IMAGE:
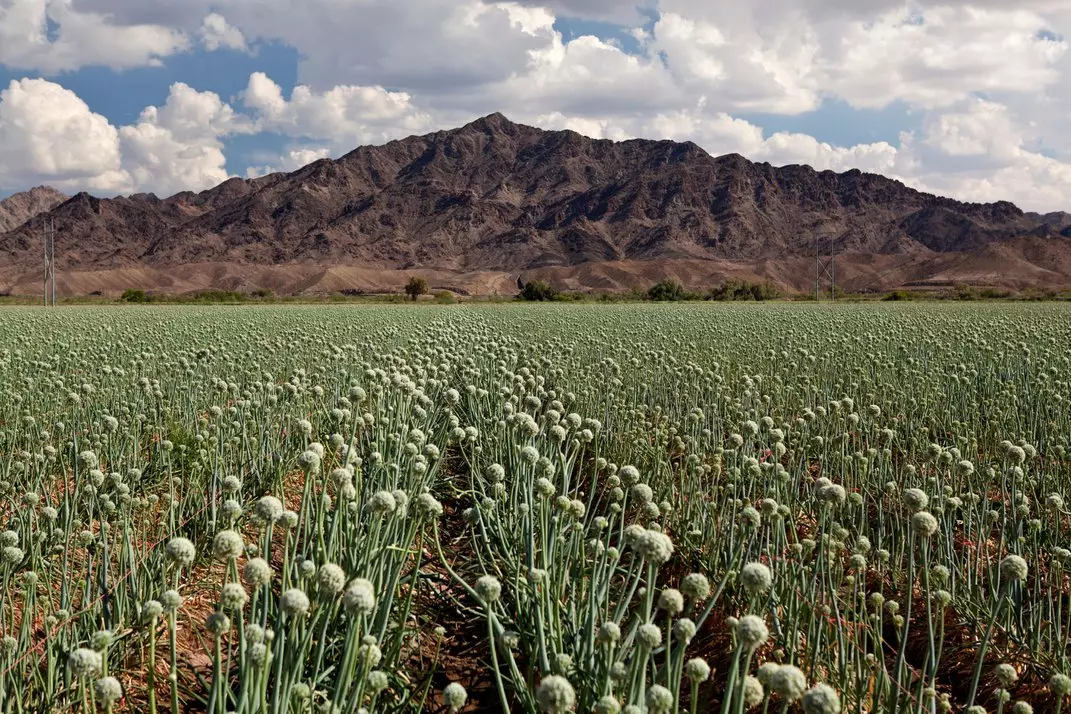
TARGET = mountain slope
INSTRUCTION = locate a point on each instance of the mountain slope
(21, 207)
(498, 196)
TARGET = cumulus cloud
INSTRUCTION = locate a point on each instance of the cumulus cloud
(78, 39)
(987, 82)
(291, 160)
(48, 134)
(216, 33)
(619, 11)
(346, 115)
(178, 147)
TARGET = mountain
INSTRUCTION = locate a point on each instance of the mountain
(21, 207)
(1059, 220)
(498, 198)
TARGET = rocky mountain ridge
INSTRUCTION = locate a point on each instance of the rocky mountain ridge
(499, 196)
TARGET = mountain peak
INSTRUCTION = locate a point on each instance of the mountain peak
(18, 208)
(494, 123)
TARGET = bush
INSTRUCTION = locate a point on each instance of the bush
(667, 290)
(445, 297)
(131, 295)
(964, 292)
(416, 287)
(218, 296)
(263, 293)
(743, 290)
(537, 291)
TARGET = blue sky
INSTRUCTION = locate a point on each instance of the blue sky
(962, 99)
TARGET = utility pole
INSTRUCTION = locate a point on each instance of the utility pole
(50, 264)
(825, 265)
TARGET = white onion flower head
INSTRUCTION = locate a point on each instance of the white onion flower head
(1006, 675)
(642, 493)
(180, 551)
(752, 631)
(659, 699)
(455, 696)
(1060, 684)
(655, 547)
(697, 670)
(227, 544)
(607, 705)
(331, 578)
(756, 578)
(789, 682)
(671, 601)
(257, 572)
(171, 600)
(1013, 568)
(85, 662)
(152, 609)
(915, 498)
(383, 503)
(766, 672)
(649, 635)
(360, 597)
(609, 632)
(924, 523)
(489, 589)
(108, 690)
(232, 597)
(378, 681)
(268, 509)
(696, 587)
(684, 630)
(753, 692)
(295, 602)
(555, 695)
(428, 506)
(218, 623)
(821, 699)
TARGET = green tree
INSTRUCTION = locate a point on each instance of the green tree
(132, 295)
(416, 287)
(537, 291)
(666, 290)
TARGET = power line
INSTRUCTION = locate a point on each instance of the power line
(825, 265)
(49, 295)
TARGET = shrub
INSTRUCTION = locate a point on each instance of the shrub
(416, 287)
(537, 291)
(131, 295)
(743, 290)
(667, 290)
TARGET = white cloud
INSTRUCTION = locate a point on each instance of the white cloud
(620, 11)
(346, 115)
(291, 160)
(740, 67)
(48, 134)
(426, 45)
(988, 82)
(216, 33)
(178, 147)
(80, 38)
(949, 54)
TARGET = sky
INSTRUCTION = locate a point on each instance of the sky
(966, 99)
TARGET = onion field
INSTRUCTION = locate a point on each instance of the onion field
(555, 508)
